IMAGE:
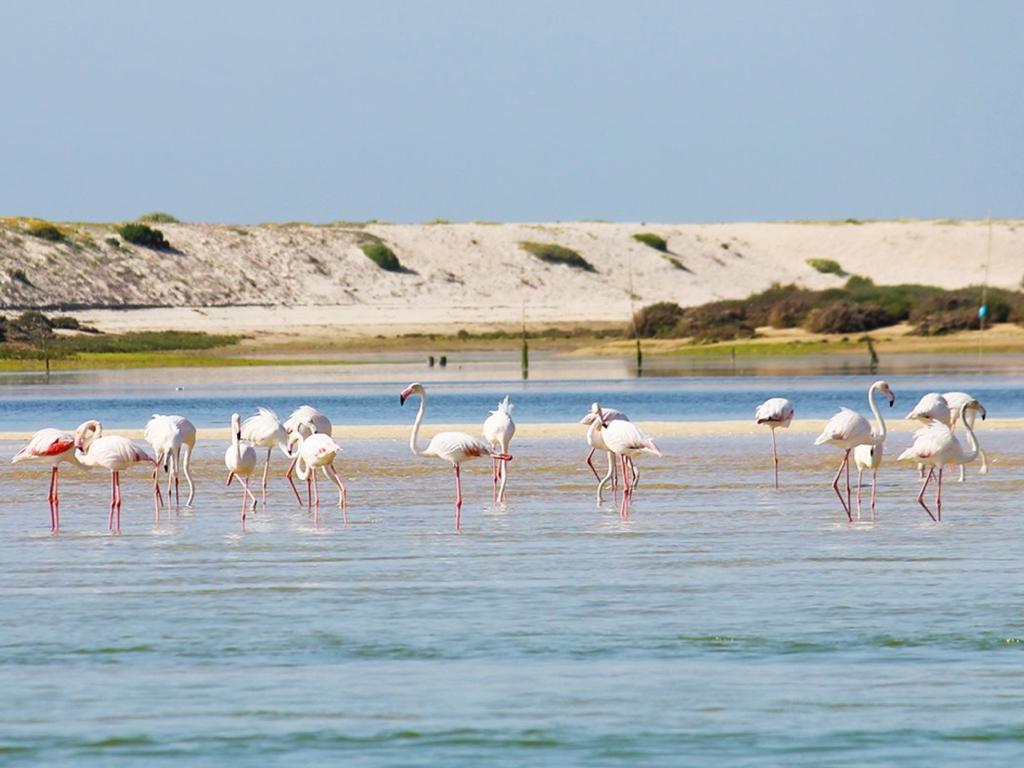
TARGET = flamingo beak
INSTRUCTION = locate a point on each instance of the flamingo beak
(78, 444)
(892, 399)
(401, 399)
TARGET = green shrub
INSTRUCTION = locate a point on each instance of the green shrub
(382, 256)
(19, 275)
(675, 262)
(847, 317)
(827, 267)
(157, 217)
(717, 321)
(657, 320)
(557, 254)
(45, 231)
(113, 242)
(654, 241)
(147, 237)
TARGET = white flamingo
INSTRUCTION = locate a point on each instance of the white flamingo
(173, 439)
(240, 460)
(498, 430)
(305, 420)
(596, 442)
(265, 430)
(113, 452)
(936, 446)
(626, 441)
(974, 407)
(453, 447)
(775, 412)
(848, 429)
(53, 447)
(313, 452)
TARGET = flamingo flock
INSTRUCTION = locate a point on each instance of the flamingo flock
(305, 438)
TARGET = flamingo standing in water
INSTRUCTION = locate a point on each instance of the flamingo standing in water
(775, 412)
(305, 420)
(498, 431)
(453, 447)
(595, 440)
(936, 446)
(626, 441)
(50, 446)
(173, 439)
(956, 400)
(848, 429)
(265, 430)
(113, 452)
(240, 459)
(313, 452)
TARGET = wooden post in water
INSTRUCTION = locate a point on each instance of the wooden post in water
(524, 357)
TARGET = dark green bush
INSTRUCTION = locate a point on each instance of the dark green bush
(45, 231)
(657, 320)
(847, 317)
(19, 275)
(654, 241)
(157, 217)
(717, 321)
(147, 237)
(382, 256)
(557, 254)
(827, 266)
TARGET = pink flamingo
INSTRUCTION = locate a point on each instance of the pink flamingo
(848, 429)
(775, 412)
(596, 442)
(313, 452)
(498, 430)
(453, 447)
(173, 439)
(626, 441)
(240, 461)
(974, 407)
(113, 452)
(265, 430)
(305, 420)
(50, 446)
(936, 446)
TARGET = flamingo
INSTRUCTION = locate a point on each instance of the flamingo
(453, 447)
(53, 447)
(116, 453)
(775, 412)
(305, 420)
(848, 429)
(240, 459)
(931, 406)
(596, 442)
(498, 431)
(313, 452)
(265, 430)
(868, 457)
(936, 445)
(970, 413)
(173, 439)
(626, 441)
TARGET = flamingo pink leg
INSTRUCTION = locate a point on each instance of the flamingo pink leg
(626, 485)
(835, 485)
(590, 464)
(924, 487)
(50, 497)
(56, 499)
(316, 490)
(117, 489)
(874, 485)
(342, 491)
(775, 456)
(291, 481)
(266, 470)
(458, 498)
(938, 496)
(860, 476)
(113, 500)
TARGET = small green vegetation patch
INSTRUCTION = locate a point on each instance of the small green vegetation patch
(657, 242)
(147, 237)
(157, 217)
(19, 275)
(557, 254)
(827, 267)
(382, 256)
(44, 230)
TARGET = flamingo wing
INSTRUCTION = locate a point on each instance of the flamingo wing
(775, 410)
(45, 443)
(846, 427)
(931, 443)
(610, 414)
(931, 406)
(457, 446)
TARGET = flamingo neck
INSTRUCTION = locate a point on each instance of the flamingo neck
(879, 432)
(592, 430)
(972, 439)
(414, 438)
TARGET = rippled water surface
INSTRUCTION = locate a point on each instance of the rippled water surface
(721, 623)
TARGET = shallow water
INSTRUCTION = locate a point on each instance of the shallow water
(721, 623)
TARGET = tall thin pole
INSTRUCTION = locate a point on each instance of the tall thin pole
(632, 318)
(983, 310)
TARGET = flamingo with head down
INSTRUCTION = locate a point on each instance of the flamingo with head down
(53, 447)
(304, 421)
(240, 460)
(173, 439)
(315, 451)
(625, 440)
(113, 452)
(453, 447)
(775, 412)
(595, 440)
(265, 430)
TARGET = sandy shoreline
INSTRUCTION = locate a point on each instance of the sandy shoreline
(555, 430)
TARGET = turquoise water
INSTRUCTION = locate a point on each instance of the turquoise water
(722, 623)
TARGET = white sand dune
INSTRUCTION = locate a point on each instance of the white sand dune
(289, 277)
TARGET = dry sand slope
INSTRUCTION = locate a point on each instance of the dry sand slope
(279, 276)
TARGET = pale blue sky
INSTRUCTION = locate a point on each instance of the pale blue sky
(525, 110)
